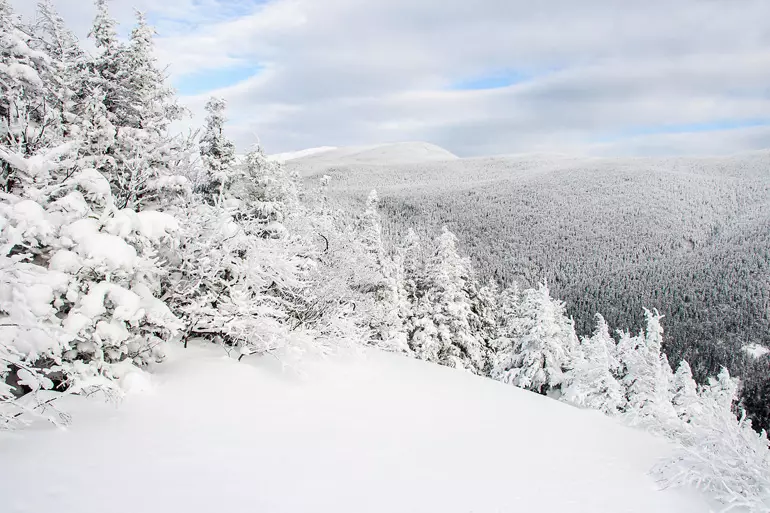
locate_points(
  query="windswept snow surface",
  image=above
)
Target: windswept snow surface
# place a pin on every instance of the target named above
(292, 155)
(375, 155)
(371, 432)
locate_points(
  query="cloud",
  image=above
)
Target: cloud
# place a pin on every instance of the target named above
(491, 76)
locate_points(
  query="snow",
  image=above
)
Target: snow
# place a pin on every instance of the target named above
(103, 248)
(31, 219)
(94, 183)
(756, 350)
(292, 155)
(65, 261)
(22, 72)
(396, 153)
(374, 432)
(127, 304)
(156, 225)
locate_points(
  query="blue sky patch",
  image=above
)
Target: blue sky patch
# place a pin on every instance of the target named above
(209, 80)
(495, 80)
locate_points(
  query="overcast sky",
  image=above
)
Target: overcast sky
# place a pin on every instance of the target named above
(476, 77)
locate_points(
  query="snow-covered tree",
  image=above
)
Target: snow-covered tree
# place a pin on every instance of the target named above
(685, 394)
(541, 346)
(78, 307)
(217, 151)
(67, 72)
(371, 227)
(723, 456)
(647, 377)
(143, 146)
(265, 191)
(383, 278)
(590, 383)
(108, 72)
(29, 109)
(443, 319)
(228, 279)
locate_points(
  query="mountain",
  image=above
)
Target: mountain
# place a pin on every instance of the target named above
(688, 236)
(285, 157)
(375, 155)
(370, 432)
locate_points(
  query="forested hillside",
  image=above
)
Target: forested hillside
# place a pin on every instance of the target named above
(688, 236)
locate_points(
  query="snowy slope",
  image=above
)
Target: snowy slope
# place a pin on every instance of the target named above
(379, 154)
(292, 155)
(359, 433)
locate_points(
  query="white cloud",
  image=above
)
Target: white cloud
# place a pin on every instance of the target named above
(342, 72)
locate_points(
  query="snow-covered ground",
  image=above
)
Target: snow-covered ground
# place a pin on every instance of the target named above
(370, 432)
(756, 350)
(378, 154)
(292, 155)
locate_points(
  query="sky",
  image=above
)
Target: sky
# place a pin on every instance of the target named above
(595, 77)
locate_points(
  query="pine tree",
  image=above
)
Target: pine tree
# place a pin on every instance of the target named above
(383, 277)
(543, 346)
(443, 316)
(590, 383)
(67, 71)
(152, 104)
(217, 151)
(108, 71)
(371, 227)
(647, 376)
(685, 399)
(30, 118)
(721, 454)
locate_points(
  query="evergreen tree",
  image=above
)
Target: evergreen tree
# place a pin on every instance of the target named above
(646, 378)
(590, 383)
(29, 108)
(443, 317)
(685, 398)
(67, 72)
(108, 71)
(371, 227)
(384, 277)
(542, 346)
(265, 191)
(217, 151)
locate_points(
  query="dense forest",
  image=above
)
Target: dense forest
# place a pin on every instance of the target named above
(688, 236)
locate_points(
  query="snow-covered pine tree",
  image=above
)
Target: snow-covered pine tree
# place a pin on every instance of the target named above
(543, 346)
(264, 191)
(645, 377)
(108, 72)
(442, 323)
(722, 454)
(142, 176)
(67, 70)
(79, 308)
(686, 401)
(370, 227)
(29, 108)
(485, 306)
(590, 382)
(382, 277)
(507, 331)
(217, 151)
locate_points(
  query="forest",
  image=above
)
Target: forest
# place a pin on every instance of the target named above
(688, 236)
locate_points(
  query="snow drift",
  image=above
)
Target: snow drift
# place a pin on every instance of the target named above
(370, 432)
